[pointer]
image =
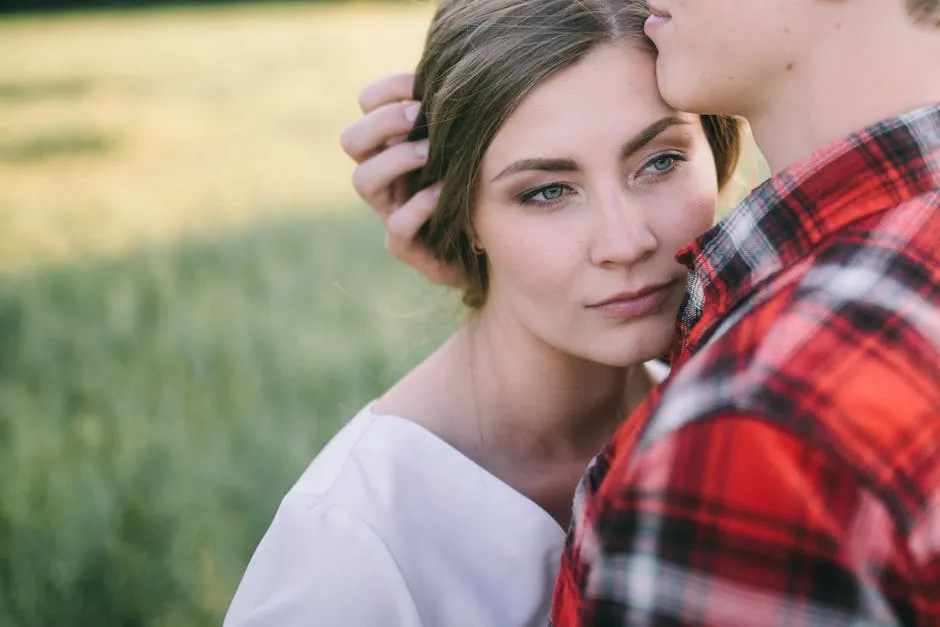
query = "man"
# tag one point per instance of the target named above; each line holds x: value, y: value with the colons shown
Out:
x: 788, y: 473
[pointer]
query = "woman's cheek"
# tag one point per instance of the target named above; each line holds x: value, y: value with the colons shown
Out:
x: 695, y: 216
x: 540, y: 260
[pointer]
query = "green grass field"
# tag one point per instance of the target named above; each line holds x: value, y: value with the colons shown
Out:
x: 191, y: 299
x: 154, y: 407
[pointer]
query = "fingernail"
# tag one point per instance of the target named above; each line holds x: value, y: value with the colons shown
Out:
x: 411, y: 112
x: 421, y: 149
x: 436, y: 190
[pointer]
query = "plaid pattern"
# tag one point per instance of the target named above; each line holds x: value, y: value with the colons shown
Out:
x: 788, y: 472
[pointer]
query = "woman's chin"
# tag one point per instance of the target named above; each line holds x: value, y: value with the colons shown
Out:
x: 623, y: 352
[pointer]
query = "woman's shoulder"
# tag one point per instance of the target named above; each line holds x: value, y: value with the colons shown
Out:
x: 392, y: 474
x: 365, y: 456
x: 325, y: 559
x: 320, y: 564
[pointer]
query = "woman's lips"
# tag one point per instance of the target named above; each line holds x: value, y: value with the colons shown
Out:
x: 636, y: 304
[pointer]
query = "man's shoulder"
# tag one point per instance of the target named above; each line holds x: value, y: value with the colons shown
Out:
x: 862, y: 310
x: 842, y: 349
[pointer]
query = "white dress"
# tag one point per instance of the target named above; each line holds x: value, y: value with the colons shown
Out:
x: 392, y: 527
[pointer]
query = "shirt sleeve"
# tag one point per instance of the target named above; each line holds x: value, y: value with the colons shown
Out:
x: 733, y: 522
x: 319, y: 566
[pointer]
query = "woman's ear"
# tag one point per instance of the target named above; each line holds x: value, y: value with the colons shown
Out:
x: 475, y: 245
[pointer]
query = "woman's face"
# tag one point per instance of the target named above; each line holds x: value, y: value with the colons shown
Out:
x: 585, y: 195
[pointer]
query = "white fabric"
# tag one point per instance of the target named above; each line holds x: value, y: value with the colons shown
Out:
x: 658, y: 370
x: 392, y: 527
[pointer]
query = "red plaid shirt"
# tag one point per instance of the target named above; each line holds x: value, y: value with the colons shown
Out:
x: 788, y: 472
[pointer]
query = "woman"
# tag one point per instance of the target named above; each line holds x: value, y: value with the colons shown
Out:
x: 566, y: 186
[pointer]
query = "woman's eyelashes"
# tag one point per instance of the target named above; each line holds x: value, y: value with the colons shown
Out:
x: 660, y: 165
x: 545, y: 195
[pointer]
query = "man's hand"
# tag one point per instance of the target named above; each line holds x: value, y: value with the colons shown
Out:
x: 377, y: 143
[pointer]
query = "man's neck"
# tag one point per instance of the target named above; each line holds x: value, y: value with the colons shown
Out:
x: 863, y: 72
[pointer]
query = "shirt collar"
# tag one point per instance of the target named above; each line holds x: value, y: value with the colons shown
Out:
x: 783, y: 219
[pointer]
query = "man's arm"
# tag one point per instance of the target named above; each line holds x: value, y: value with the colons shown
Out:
x: 733, y: 522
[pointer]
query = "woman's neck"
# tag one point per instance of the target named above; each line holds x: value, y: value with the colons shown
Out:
x: 537, y: 402
x: 529, y: 414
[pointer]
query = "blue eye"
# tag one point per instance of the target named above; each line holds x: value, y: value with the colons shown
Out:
x: 664, y: 163
x: 552, y: 192
x: 546, y: 195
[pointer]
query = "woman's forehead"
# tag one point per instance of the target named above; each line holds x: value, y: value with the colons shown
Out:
x: 610, y: 94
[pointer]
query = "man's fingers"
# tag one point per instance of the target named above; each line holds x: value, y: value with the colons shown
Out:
x: 374, y: 131
x: 402, y: 243
x: 394, y: 141
x: 405, y: 222
x: 376, y: 143
x: 388, y: 89
x: 421, y: 259
x: 441, y: 273
x: 375, y: 177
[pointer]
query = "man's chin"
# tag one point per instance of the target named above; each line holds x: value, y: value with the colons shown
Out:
x: 683, y: 95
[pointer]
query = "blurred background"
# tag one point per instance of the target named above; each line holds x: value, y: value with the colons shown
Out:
x: 192, y: 300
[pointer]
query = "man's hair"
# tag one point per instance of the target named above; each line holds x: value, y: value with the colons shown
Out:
x: 926, y: 12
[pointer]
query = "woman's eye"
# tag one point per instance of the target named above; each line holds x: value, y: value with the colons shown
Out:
x: 664, y: 163
x: 552, y: 192
x: 545, y: 195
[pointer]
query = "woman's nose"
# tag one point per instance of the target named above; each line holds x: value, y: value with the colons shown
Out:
x: 623, y: 234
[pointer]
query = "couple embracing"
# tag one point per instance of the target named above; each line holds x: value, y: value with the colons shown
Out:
x: 646, y: 418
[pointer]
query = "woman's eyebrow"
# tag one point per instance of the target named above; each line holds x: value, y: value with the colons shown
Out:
x: 650, y: 133
x: 635, y: 143
x: 542, y: 165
